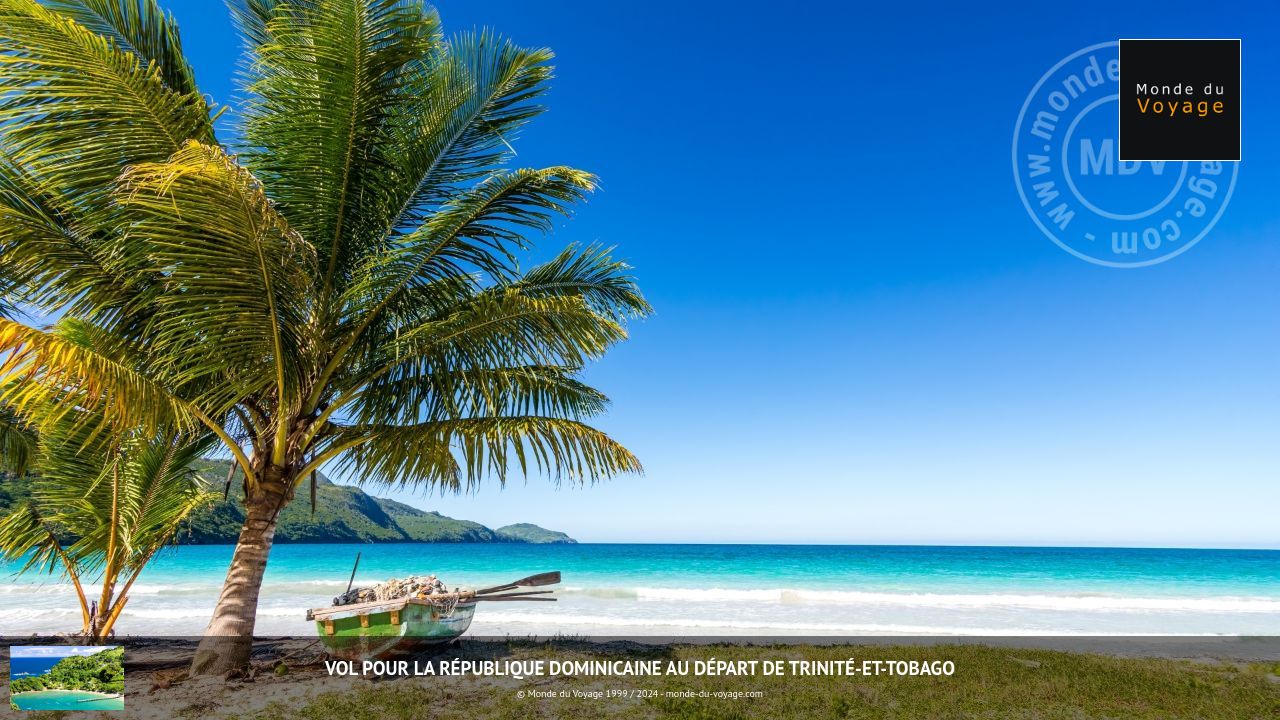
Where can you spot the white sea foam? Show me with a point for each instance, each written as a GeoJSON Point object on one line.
{"type": "Point", "coordinates": [205, 612]}
{"type": "Point", "coordinates": [540, 623]}
{"type": "Point", "coordinates": [1076, 603]}
{"type": "Point", "coordinates": [184, 604]}
{"type": "Point", "coordinates": [170, 613]}
{"type": "Point", "coordinates": [30, 613]}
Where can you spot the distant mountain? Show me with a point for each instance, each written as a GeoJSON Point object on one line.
{"type": "Point", "coordinates": [530, 533]}
{"type": "Point", "coordinates": [343, 514]}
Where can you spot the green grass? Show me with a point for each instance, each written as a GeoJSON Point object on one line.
{"type": "Point", "coordinates": [988, 684]}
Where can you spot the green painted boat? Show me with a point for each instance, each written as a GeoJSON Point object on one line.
{"type": "Point", "coordinates": [406, 625]}
{"type": "Point", "coordinates": [382, 629]}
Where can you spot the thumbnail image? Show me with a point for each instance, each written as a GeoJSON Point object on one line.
{"type": "Point", "coordinates": [66, 677]}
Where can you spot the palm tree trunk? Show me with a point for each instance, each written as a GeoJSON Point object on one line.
{"type": "Point", "coordinates": [75, 581]}
{"type": "Point", "coordinates": [229, 637]}
{"type": "Point", "coordinates": [123, 598]}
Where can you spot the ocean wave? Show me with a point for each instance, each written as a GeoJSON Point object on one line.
{"type": "Point", "coordinates": [205, 612]}
{"type": "Point", "coordinates": [41, 588]}
{"type": "Point", "coordinates": [608, 593]}
{"type": "Point", "coordinates": [28, 613]}
{"type": "Point", "coordinates": [1081, 602]}
{"type": "Point", "coordinates": [210, 588]}
{"type": "Point", "coordinates": [543, 623]}
{"type": "Point", "coordinates": [91, 589]}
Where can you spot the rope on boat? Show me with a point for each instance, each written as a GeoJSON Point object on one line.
{"type": "Point", "coordinates": [413, 586]}
{"type": "Point", "coordinates": [447, 605]}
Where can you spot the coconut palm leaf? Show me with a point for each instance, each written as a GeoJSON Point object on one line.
{"type": "Point", "coordinates": [324, 88]}
{"type": "Point", "coordinates": [50, 375]}
{"type": "Point", "coordinates": [137, 26]}
{"type": "Point", "coordinates": [27, 538]}
{"type": "Point", "coordinates": [488, 93]}
{"type": "Point", "coordinates": [52, 259]}
{"type": "Point", "coordinates": [139, 487]}
{"type": "Point", "coordinates": [457, 454]}
{"type": "Point", "coordinates": [75, 108]}
{"type": "Point", "coordinates": [17, 439]}
{"type": "Point", "coordinates": [204, 223]}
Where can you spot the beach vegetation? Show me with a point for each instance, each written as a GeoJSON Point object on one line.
{"type": "Point", "coordinates": [100, 508]}
{"type": "Point", "coordinates": [343, 279]}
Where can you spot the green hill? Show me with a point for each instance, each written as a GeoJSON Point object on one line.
{"type": "Point", "coordinates": [530, 533]}
{"type": "Point", "coordinates": [343, 514]}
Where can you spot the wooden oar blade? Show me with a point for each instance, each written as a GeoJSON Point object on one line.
{"type": "Point", "coordinates": [547, 578]}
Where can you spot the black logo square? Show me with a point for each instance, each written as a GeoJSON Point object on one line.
{"type": "Point", "coordinates": [1179, 100]}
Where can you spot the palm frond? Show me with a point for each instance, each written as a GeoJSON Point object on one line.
{"type": "Point", "coordinates": [206, 224]}
{"type": "Point", "coordinates": [494, 329]}
{"type": "Point", "coordinates": [152, 483]}
{"type": "Point", "coordinates": [51, 374]}
{"type": "Point", "coordinates": [476, 231]}
{"type": "Point", "coordinates": [140, 27]}
{"type": "Point", "coordinates": [455, 455]}
{"type": "Point", "coordinates": [27, 538]}
{"type": "Point", "coordinates": [445, 393]}
{"type": "Point", "coordinates": [45, 257]}
{"type": "Point", "coordinates": [592, 274]}
{"type": "Point", "coordinates": [324, 80]}
{"type": "Point", "coordinates": [473, 102]}
{"type": "Point", "coordinates": [251, 18]}
{"type": "Point", "coordinates": [75, 108]}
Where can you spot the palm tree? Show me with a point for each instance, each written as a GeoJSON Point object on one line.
{"type": "Point", "coordinates": [102, 507]}
{"type": "Point", "coordinates": [342, 284]}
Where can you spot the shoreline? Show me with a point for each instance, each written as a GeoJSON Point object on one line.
{"type": "Point", "coordinates": [85, 692]}
{"type": "Point", "coordinates": [1228, 648]}
{"type": "Point", "coordinates": [887, 546]}
{"type": "Point", "coordinates": [149, 653]}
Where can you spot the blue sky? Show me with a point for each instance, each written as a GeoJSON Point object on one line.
{"type": "Point", "coordinates": [31, 651]}
{"type": "Point", "coordinates": [861, 337]}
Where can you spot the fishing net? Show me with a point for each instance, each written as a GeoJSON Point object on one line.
{"type": "Point", "coordinates": [413, 586]}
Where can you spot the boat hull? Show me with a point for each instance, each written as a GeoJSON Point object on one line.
{"type": "Point", "coordinates": [390, 629]}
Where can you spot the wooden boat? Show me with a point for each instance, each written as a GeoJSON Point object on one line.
{"type": "Point", "coordinates": [405, 625]}
{"type": "Point", "coordinates": [379, 629]}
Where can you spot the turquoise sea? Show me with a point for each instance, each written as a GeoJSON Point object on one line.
{"type": "Point", "coordinates": [66, 700]}
{"type": "Point", "coordinates": [728, 589]}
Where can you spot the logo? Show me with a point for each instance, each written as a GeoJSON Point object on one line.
{"type": "Point", "coordinates": [1180, 100]}
{"type": "Point", "coordinates": [1069, 175]}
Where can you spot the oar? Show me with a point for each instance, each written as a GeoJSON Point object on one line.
{"type": "Point", "coordinates": [515, 594]}
{"type": "Point", "coordinates": [547, 578]}
{"type": "Point", "coordinates": [514, 598]}
{"type": "Point", "coordinates": [353, 572]}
